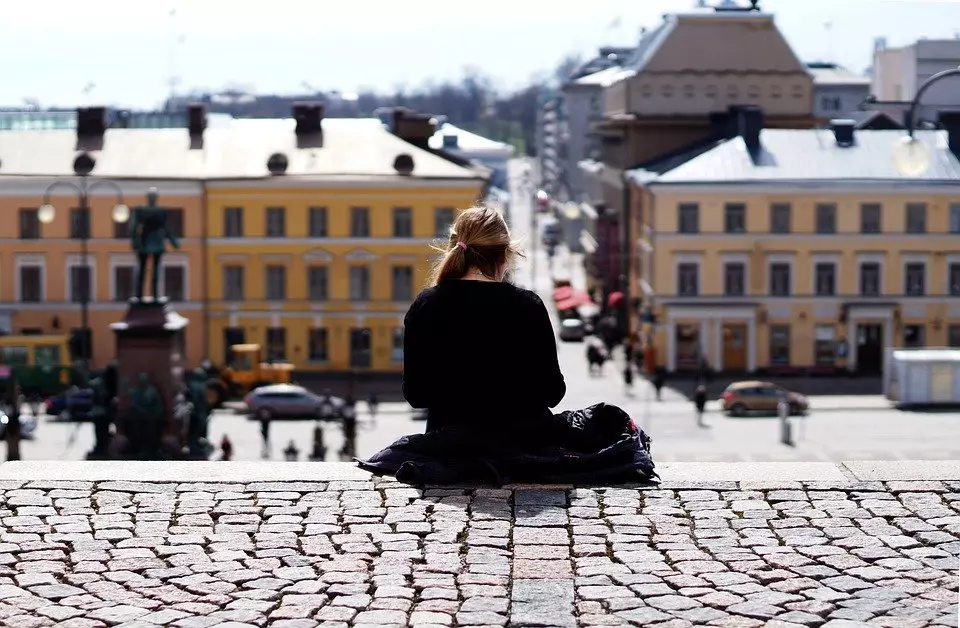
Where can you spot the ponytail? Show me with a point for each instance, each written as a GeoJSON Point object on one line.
{"type": "Point", "coordinates": [452, 265]}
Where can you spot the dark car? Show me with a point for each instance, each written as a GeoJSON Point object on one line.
{"type": "Point", "coordinates": [71, 405]}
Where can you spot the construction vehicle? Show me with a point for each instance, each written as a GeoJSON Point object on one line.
{"type": "Point", "coordinates": [245, 372]}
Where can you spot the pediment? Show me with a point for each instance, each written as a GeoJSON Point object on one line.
{"type": "Point", "coordinates": [360, 255]}
{"type": "Point", "coordinates": [318, 255]}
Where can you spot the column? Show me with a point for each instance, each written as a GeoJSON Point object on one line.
{"type": "Point", "coordinates": [852, 342]}
{"type": "Point", "coordinates": [702, 339]}
{"type": "Point", "coordinates": [671, 344]}
{"type": "Point", "coordinates": [752, 343]}
{"type": "Point", "coordinates": [717, 345]}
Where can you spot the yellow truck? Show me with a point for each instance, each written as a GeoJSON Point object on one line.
{"type": "Point", "coordinates": [245, 372]}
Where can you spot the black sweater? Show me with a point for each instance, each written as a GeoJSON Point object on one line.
{"type": "Point", "coordinates": [480, 351]}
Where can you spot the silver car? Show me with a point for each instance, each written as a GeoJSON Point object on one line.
{"type": "Point", "coordinates": [287, 401]}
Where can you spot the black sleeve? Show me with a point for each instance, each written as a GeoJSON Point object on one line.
{"type": "Point", "coordinates": [416, 359]}
{"type": "Point", "coordinates": [548, 384]}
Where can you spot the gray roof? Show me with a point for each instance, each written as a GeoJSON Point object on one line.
{"type": "Point", "coordinates": [832, 74]}
{"type": "Point", "coordinates": [351, 148]}
{"type": "Point", "coordinates": [813, 155]}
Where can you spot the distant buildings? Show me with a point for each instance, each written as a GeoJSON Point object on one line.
{"type": "Point", "coordinates": [899, 72]}
{"type": "Point", "coordinates": [308, 235]}
{"type": "Point", "coordinates": [474, 148]}
{"type": "Point", "coordinates": [837, 92]}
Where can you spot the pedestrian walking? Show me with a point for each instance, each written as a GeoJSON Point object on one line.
{"type": "Point", "coordinates": [628, 366]}
{"type": "Point", "coordinates": [290, 452]}
{"type": "Point", "coordinates": [265, 436]}
{"type": "Point", "coordinates": [226, 448]}
{"type": "Point", "coordinates": [700, 401]}
{"type": "Point", "coordinates": [658, 382]}
{"type": "Point", "coordinates": [372, 404]}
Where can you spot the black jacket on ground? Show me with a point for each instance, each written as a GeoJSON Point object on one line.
{"type": "Point", "coordinates": [597, 445]}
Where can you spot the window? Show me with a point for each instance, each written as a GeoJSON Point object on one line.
{"type": "Point", "coordinates": [29, 224]}
{"type": "Point", "coordinates": [47, 355]}
{"type": "Point", "coordinates": [914, 336]}
{"type": "Point", "coordinates": [688, 283]}
{"type": "Point", "coordinates": [734, 218]}
{"type": "Point", "coordinates": [442, 221]}
{"type": "Point", "coordinates": [689, 218]}
{"type": "Point", "coordinates": [123, 282]}
{"type": "Point", "coordinates": [15, 355]}
{"type": "Point", "coordinates": [953, 336]}
{"type": "Point", "coordinates": [121, 230]}
{"type": "Point", "coordinates": [825, 274]}
{"type": "Point", "coordinates": [175, 222]}
{"type": "Point", "coordinates": [955, 218]}
{"type": "Point", "coordinates": [81, 344]}
{"type": "Point", "coordinates": [31, 284]}
{"type": "Point", "coordinates": [779, 345]}
{"type": "Point", "coordinates": [317, 282]}
{"type": "Point", "coordinates": [234, 336]}
{"type": "Point", "coordinates": [233, 222]}
{"type": "Point", "coordinates": [396, 349]}
{"type": "Point", "coordinates": [915, 277]}
{"type": "Point", "coordinates": [402, 283]}
{"type": "Point", "coordinates": [870, 218]}
{"type": "Point", "coordinates": [276, 344]}
{"type": "Point", "coordinates": [779, 279]}
{"type": "Point", "coordinates": [824, 344]}
{"type": "Point", "coordinates": [403, 222]}
{"type": "Point", "coordinates": [233, 285]}
{"type": "Point", "coordinates": [318, 348]}
{"type": "Point", "coordinates": [318, 222]}
{"type": "Point", "coordinates": [916, 218]}
{"type": "Point", "coordinates": [780, 218]}
{"type": "Point", "coordinates": [954, 278]}
{"type": "Point", "coordinates": [830, 103]}
{"type": "Point", "coordinates": [360, 353]}
{"type": "Point", "coordinates": [175, 282]}
{"type": "Point", "coordinates": [359, 283]}
{"type": "Point", "coordinates": [276, 277]}
{"type": "Point", "coordinates": [359, 222]}
{"type": "Point", "coordinates": [79, 223]}
{"type": "Point", "coordinates": [826, 218]}
{"type": "Point", "coordinates": [276, 226]}
{"type": "Point", "coordinates": [870, 279]}
{"type": "Point", "coordinates": [80, 284]}
{"type": "Point", "coordinates": [733, 279]}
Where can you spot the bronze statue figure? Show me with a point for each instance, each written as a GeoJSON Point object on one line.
{"type": "Point", "coordinates": [147, 411]}
{"type": "Point", "coordinates": [148, 237]}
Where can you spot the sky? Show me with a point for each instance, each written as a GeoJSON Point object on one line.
{"type": "Point", "coordinates": [124, 52]}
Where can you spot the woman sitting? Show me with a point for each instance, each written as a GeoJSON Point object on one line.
{"type": "Point", "coordinates": [477, 349]}
{"type": "Point", "coordinates": [481, 358]}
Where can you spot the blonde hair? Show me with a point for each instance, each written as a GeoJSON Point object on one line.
{"type": "Point", "coordinates": [479, 238]}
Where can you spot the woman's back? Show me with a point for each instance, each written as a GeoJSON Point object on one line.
{"type": "Point", "coordinates": [480, 351]}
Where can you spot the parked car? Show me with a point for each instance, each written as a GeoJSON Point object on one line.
{"type": "Point", "coordinates": [288, 401]}
{"type": "Point", "coordinates": [572, 330]}
{"type": "Point", "coordinates": [741, 398]}
{"type": "Point", "coordinates": [28, 426]}
{"type": "Point", "coordinates": [71, 405]}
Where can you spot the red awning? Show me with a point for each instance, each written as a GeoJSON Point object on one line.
{"type": "Point", "coordinates": [614, 298]}
{"type": "Point", "coordinates": [577, 299]}
{"type": "Point", "coordinates": [562, 293]}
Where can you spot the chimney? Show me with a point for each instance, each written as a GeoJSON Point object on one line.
{"type": "Point", "coordinates": [843, 131]}
{"type": "Point", "coordinates": [750, 125]}
{"type": "Point", "coordinates": [309, 117]}
{"type": "Point", "coordinates": [415, 128]}
{"type": "Point", "coordinates": [91, 123]}
{"type": "Point", "coordinates": [196, 120]}
{"type": "Point", "coordinates": [951, 122]}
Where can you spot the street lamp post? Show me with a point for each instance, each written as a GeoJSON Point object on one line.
{"type": "Point", "coordinates": [910, 155]}
{"type": "Point", "coordinates": [83, 165]}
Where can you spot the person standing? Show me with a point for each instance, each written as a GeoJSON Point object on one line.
{"type": "Point", "coordinates": [700, 401]}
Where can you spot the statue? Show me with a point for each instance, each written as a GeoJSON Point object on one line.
{"type": "Point", "coordinates": [148, 237]}
{"type": "Point", "coordinates": [100, 414]}
{"type": "Point", "coordinates": [147, 413]}
{"type": "Point", "coordinates": [200, 415]}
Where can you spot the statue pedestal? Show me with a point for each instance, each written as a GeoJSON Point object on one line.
{"type": "Point", "coordinates": [150, 341]}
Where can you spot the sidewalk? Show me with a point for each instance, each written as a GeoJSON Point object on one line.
{"type": "Point", "coordinates": [198, 544]}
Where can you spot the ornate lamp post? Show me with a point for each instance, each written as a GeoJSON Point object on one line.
{"type": "Point", "coordinates": [910, 155]}
{"type": "Point", "coordinates": [82, 166]}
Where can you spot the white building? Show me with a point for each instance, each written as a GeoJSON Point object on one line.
{"type": "Point", "coordinates": [476, 148]}
{"type": "Point", "coordinates": [837, 91]}
{"type": "Point", "coordinates": [899, 72]}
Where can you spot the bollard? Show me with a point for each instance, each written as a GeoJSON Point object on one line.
{"type": "Point", "coordinates": [786, 429]}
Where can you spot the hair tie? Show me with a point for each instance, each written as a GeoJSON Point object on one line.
{"type": "Point", "coordinates": [462, 245]}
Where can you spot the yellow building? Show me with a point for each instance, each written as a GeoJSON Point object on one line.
{"type": "Point", "coordinates": [44, 269]}
{"type": "Point", "coordinates": [800, 250]}
{"type": "Point", "coordinates": [309, 236]}
{"type": "Point", "coordinates": [320, 263]}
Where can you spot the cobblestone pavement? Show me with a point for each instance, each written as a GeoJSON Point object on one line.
{"type": "Point", "coordinates": [374, 552]}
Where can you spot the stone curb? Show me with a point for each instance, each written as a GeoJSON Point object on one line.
{"type": "Point", "coordinates": [672, 474]}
